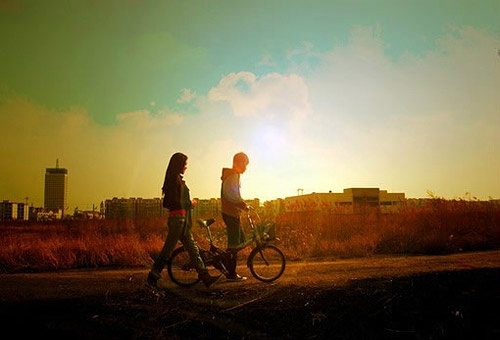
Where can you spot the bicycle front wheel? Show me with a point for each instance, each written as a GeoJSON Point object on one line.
{"type": "Point", "coordinates": [181, 269]}
{"type": "Point", "coordinates": [266, 263]}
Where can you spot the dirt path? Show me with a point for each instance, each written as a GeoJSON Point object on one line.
{"type": "Point", "coordinates": [416, 297]}
{"type": "Point", "coordinates": [102, 282]}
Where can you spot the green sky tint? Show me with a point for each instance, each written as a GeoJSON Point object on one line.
{"type": "Point", "coordinates": [117, 56]}
{"type": "Point", "coordinates": [401, 95]}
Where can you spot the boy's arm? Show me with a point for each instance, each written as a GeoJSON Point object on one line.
{"type": "Point", "coordinates": [231, 191]}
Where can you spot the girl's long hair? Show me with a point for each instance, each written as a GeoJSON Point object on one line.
{"type": "Point", "coordinates": [174, 169]}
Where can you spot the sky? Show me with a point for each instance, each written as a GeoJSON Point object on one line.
{"type": "Point", "coordinates": [322, 95]}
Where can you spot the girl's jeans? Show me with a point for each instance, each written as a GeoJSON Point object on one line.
{"type": "Point", "coordinates": [178, 230]}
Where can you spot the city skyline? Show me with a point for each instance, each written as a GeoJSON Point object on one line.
{"type": "Point", "coordinates": [322, 96]}
{"type": "Point", "coordinates": [61, 193]}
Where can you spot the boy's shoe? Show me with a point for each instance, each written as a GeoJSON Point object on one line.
{"type": "Point", "coordinates": [235, 278]}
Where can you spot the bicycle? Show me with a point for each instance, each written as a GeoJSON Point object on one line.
{"type": "Point", "coordinates": [266, 261]}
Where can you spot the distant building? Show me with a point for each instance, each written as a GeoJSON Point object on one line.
{"type": "Point", "coordinates": [79, 214]}
{"type": "Point", "coordinates": [274, 207]}
{"type": "Point", "coordinates": [351, 200]}
{"type": "Point", "coordinates": [56, 189]}
{"type": "Point", "coordinates": [13, 211]}
{"type": "Point", "coordinates": [211, 208]}
{"type": "Point", "coordinates": [152, 207]}
{"type": "Point", "coordinates": [207, 208]}
{"type": "Point", "coordinates": [133, 208]}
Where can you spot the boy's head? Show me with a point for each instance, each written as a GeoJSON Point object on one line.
{"type": "Point", "coordinates": [240, 162]}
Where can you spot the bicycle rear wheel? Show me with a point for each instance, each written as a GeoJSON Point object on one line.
{"type": "Point", "coordinates": [266, 263]}
{"type": "Point", "coordinates": [181, 270]}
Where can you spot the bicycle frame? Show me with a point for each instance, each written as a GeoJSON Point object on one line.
{"type": "Point", "coordinates": [266, 262]}
{"type": "Point", "coordinates": [255, 237]}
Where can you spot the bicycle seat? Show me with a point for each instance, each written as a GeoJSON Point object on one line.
{"type": "Point", "coordinates": [205, 223]}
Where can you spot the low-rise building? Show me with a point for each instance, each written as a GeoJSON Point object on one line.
{"type": "Point", "coordinates": [152, 207]}
{"type": "Point", "coordinates": [13, 211]}
{"type": "Point", "coordinates": [351, 200]}
{"type": "Point", "coordinates": [133, 208]}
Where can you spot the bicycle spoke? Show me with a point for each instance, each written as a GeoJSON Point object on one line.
{"type": "Point", "coordinates": [263, 257]}
{"type": "Point", "coordinates": [266, 263]}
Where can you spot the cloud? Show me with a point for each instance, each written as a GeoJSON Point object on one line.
{"type": "Point", "coordinates": [267, 60]}
{"type": "Point", "coordinates": [270, 96]}
{"type": "Point", "coordinates": [186, 96]}
{"type": "Point", "coordinates": [357, 118]}
{"type": "Point", "coordinates": [103, 161]}
{"type": "Point", "coordinates": [389, 122]}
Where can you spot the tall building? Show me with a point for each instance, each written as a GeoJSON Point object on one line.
{"type": "Point", "coordinates": [56, 189]}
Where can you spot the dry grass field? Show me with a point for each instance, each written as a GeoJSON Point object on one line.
{"type": "Point", "coordinates": [435, 227]}
{"type": "Point", "coordinates": [430, 271]}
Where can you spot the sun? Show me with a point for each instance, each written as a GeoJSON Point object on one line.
{"type": "Point", "coordinates": [271, 141]}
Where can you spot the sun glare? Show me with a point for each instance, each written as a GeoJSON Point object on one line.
{"type": "Point", "coordinates": [272, 141]}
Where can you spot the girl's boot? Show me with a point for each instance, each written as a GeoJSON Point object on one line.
{"type": "Point", "coordinates": [207, 279]}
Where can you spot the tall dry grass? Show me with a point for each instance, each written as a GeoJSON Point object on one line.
{"type": "Point", "coordinates": [437, 227]}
